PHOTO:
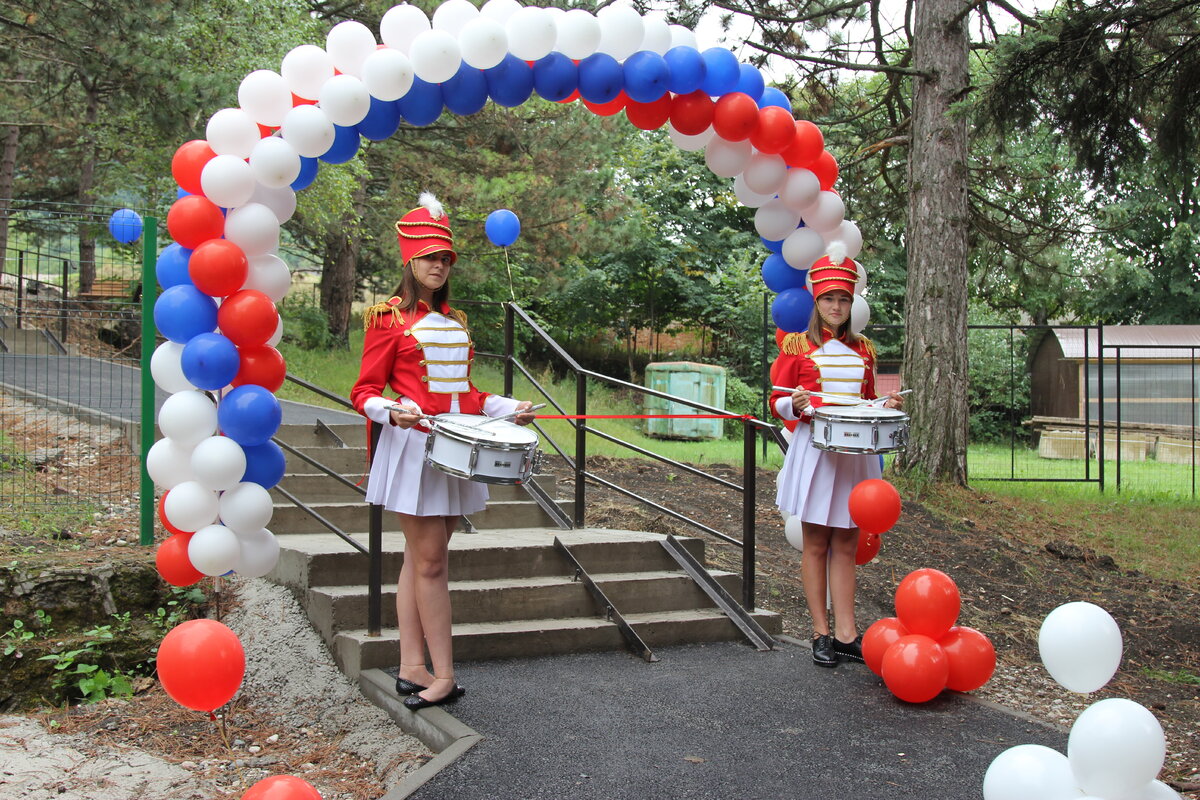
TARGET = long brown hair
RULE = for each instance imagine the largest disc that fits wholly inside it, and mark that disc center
(407, 291)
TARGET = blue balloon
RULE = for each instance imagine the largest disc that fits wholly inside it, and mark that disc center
(502, 227)
(792, 310)
(467, 92)
(265, 464)
(345, 144)
(171, 269)
(646, 76)
(774, 247)
(774, 97)
(601, 78)
(750, 81)
(721, 72)
(308, 173)
(779, 276)
(249, 415)
(125, 225)
(555, 77)
(210, 361)
(422, 104)
(510, 83)
(181, 193)
(687, 69)
(381, 121)
(183, 311)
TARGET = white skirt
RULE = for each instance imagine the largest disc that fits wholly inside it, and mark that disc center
(401, 481)
(815, 484)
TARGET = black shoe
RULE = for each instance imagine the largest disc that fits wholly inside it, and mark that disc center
(823, 652)
(406, 687)
(849, 651)
(416, 702)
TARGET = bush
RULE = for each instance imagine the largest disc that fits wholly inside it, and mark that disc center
(740, 398)
(305, 324)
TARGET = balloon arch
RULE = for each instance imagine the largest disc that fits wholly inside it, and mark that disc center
(238, 186)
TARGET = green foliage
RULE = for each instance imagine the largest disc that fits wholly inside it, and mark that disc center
(184, 604)
(998, 396)
(305, 324)
(740, 398)
(78, 669)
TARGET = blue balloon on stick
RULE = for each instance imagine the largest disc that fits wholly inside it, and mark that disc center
(555, 77)
(779, 276)
(381, 121)
(183, 311)
(601, 78)
(249, 415)
(422, 104)
(125, 225)
(687, 69)
(775, 97)
(510, 83)
(308, 173)
(721, 72)
(646, 76)
(467, 92)
(792, 310)
(345, 144)
(265, 464)
(171, 269)
(210, 361)
(502, 227)
(750, 81)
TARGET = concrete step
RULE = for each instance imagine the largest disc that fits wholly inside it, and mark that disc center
(336, 435)
(29, 342)
(353, 517)
(342, 460)
(317, 487)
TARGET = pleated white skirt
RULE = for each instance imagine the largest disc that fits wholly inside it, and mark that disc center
(401, 481)
(815, 484)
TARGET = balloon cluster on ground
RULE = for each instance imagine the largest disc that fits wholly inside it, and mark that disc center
(874, 507)
(1116, 747)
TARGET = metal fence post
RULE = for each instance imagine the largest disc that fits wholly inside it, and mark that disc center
(20, 285)
(374, 551)
(508, 349)
(580, 445)
(146, 429)
(749, 497)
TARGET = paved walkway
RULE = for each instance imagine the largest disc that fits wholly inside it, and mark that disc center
(719, 721)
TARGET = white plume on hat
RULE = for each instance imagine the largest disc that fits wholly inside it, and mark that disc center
(837, 252)
(432, 205)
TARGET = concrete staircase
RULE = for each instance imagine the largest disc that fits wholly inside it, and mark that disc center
(28, 341)
(513, 592)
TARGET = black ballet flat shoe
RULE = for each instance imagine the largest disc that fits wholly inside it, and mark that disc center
(823, 654)
(407, 687)
(416, 702)
(849, 651)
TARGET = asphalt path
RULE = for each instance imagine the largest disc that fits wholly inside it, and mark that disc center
(719, 721)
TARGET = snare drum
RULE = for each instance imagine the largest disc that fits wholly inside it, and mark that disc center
(859, 429)
(498, 452)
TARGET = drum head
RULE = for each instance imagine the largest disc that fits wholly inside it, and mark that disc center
(468, 426)
(861, 414)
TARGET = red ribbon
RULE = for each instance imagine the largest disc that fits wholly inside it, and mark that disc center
(646, 416)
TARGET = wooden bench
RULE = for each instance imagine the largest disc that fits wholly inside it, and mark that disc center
(113, 289)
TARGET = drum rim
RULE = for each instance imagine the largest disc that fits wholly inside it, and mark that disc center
(874, 414)
(447, 428)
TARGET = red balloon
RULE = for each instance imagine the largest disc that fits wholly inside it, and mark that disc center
(874, 505)
(263, 366)
(776, 130)
(248, 318)
(927, 602)
(806, 146)
(162, 515)
(193, 220)
(649, 116)
(868, 547)
(574, 96)
(282, 787)
(826, 170)
(735, 117)
(915, 669)
(218, 267)
(297, 100)
(173, 563)
(691, 114)
(878, 638)
(188, 162)
(972, 658)
(614, 106)
(201, 664)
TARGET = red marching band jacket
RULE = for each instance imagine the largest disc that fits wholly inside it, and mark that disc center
(831, 374)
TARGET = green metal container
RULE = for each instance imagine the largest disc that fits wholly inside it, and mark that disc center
(700, 383)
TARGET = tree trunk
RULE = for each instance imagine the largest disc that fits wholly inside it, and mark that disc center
(87, 181)
(8, 166)
(338, 274)
(935, 304)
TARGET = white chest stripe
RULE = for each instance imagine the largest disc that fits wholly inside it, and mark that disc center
(445, 346)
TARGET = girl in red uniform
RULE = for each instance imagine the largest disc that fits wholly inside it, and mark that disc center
(815, 484)
(419, 347)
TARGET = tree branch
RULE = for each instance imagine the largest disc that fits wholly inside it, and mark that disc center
(840, 64)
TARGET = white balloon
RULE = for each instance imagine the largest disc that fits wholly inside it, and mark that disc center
(800, 189)
(774, 220)
(454, 15)
(188, 418)
(214, 549)
(826, 214)
(727, 158)
(483, 42)
(1116, 747)
(849, 235)
(621, 33)
(656, 35)
(531, 33)
(860, 286)
(227, 180)
(802, 247)
(344, 100)
(254, 228)
(435, 56)
(231, 132)
(218, 463)
(306, 68)
(860, 314)
(277, 336)
(190, 506)
(690, 143)
(682, 37)
(1155, 790)
(388, 74)
(578, 34)
(274, 162)
(265, 96)
(259, 554)
(793, 531)
(166, 369)
(1080, 645)
(747, 196)
(309, 130)
(246, 508)
(765, 173)
(169, 463)
(270, 275)
(500, 10)
(349, 43)
(401, 25)
(1030, 772)
(281, 201)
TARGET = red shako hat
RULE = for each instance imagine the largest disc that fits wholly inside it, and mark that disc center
(425, 230)
(833, 271)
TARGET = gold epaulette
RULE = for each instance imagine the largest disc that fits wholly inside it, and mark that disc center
(794, 344)
(869, 346)
(374, 316)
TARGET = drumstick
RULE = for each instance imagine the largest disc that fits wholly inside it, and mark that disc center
(513, 415)
(834, 397)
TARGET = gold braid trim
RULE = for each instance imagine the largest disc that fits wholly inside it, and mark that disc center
(461, 316)
(794, 344)
(869, 346)
(374, 316)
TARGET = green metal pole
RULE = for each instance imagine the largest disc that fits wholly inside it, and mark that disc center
(149, 293)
